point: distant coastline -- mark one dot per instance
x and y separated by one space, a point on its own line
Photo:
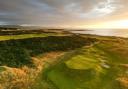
110 32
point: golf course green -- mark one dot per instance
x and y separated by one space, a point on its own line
103 65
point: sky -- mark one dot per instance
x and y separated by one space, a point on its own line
65 13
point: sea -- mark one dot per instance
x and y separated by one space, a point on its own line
103 32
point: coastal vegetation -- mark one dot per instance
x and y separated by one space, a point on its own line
63 61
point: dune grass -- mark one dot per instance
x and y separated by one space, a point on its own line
96 67
89 62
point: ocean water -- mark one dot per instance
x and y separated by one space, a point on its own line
104 32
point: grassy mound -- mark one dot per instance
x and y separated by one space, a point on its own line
101 66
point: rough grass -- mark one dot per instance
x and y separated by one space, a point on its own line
89 62
24 77
102 66
18 68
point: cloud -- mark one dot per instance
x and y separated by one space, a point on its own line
59 12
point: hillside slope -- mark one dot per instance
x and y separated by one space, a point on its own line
103 65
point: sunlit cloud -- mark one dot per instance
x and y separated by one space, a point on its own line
102 9
118 24
61 12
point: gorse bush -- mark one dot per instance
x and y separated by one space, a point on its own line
11 54
17 53
55 43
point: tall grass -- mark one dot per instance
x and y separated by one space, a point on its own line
17 55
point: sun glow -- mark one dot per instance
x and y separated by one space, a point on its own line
121 24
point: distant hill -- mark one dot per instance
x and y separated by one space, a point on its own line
10 26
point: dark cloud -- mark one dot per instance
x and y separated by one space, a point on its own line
59 12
